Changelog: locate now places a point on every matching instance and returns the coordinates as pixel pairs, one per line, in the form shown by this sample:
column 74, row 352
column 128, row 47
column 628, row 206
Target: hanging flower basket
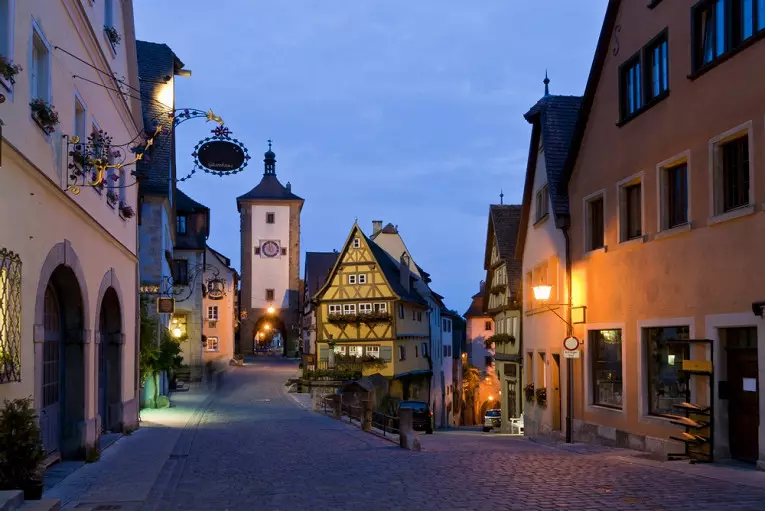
column 112, row 197
column 541, row 395
column 45, row 115
column 8, row 69
column 112, row 35
column 126, row 210
column 528, row 391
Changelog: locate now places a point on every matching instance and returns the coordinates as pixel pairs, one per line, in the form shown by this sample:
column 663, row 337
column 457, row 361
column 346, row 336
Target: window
column 39, row 73
column 487, row 325
column 542, row 371
column 335, row 309
column 424, row 349
column 735, row 173
column 606, row 364
column 401, row 311
column 109, row 13
column 630, row 210
column 667, row 385
column 446, row 351
column 180, row 272
column 632, row 94
column 340, row 350
column 541, row 203
column 419, row 316
column 595, row 224
column 269, row 295
column 365, row 308
column 6, row 28
column 362, row 278
column 80, row 120
column 284, row 251
column 416, row 351
column 381, row 307
column 356, row 243
column 373, row 351
column 402, row 352
column 529, row 368
column 211, row 344
column 721, row 26
column 674, row 185
column 212, row 313
column 270, row 218
column 10, row 316
column 355, row 351
column 180, row 224
column 657, row 60
column 349, row 308
column 352, row 278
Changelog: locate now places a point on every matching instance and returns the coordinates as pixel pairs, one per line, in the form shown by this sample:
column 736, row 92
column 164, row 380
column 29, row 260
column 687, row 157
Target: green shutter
column 323, row 353
column 386, row 353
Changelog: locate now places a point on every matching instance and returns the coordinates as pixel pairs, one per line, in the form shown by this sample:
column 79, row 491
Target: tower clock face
column 270, row 248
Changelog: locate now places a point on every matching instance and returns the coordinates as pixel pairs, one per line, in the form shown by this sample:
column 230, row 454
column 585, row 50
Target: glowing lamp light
column 542, row 292
column 267, row 326
column 671, row 359
column 270, row 309
column 177, row 332
column 491, row 398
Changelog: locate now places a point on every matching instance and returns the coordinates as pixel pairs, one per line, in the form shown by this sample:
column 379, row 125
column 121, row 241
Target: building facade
column 369, row 307
column 502, row 302
column 68, row 264
column 542, row 249
column 270, row 243
column 480, row 354
column 219, row 321
column 666, row 235
column 318, row 266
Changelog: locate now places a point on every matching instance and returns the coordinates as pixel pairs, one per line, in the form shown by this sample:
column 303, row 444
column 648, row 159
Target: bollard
column 366, row 414
column 406, row 435
column 337, row 411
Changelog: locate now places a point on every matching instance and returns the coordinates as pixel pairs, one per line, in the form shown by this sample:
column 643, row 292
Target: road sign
column 571, row 353
column 570, row 347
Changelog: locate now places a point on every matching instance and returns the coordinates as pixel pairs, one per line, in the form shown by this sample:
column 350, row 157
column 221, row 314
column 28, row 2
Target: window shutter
column 552, row 279
column 323, row 353
column 386, row 353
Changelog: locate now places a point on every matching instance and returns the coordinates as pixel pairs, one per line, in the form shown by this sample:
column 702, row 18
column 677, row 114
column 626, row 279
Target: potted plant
column 126, row 210
column 112, row 197
column 8, row 69
column 528, row 391
column 541, row 395
column 112, row 35
column 45, row 115
column 21, row 451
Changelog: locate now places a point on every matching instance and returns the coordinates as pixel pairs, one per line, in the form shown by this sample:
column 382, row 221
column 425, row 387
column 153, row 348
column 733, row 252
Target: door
column 555, row 400
column 50, row 415
column 744, row 390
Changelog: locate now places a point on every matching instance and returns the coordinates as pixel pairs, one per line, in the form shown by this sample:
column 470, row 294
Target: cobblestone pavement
column 256, row 448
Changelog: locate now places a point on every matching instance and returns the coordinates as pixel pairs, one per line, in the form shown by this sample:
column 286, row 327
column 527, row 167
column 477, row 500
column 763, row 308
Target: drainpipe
column 569, row 330
column 137, row 344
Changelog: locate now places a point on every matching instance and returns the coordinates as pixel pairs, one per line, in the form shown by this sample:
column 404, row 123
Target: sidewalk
column 128, row 469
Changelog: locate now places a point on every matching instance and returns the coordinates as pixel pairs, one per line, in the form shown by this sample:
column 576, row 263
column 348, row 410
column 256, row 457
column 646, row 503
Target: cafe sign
column 221, row 154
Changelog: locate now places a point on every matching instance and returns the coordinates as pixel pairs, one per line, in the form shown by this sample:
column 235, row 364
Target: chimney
column 403, row 267
column 376, row 226
column 483, row 286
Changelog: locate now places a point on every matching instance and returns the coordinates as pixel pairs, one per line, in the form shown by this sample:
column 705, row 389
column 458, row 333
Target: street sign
column 570, row 347
column 165, row 305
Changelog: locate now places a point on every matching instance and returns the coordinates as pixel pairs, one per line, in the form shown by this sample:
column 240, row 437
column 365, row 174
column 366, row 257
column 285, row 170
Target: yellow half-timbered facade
column 368, row 308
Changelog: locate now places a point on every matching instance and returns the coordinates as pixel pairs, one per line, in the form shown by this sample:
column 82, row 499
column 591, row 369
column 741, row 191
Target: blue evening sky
column 406, row 111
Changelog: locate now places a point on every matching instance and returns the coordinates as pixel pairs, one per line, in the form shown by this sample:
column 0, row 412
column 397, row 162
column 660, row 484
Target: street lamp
column 267, row 326
column 542, row 294
column 177, row 332
column 270, row 309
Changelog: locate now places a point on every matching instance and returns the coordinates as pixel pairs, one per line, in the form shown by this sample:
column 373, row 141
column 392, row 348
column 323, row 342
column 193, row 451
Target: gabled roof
column 599, row 59
column 269, row 188
column 223, row 260
column 156, row 63
column 503, row 229
column 185, row 204
column 553, row 119
column 388, row 267
column 476, row 307
column 318, row 266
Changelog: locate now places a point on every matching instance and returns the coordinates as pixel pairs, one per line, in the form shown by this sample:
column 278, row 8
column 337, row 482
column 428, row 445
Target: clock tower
column 270, row 237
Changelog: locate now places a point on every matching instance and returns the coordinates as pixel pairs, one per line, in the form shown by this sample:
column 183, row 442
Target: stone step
column 41, row 505
column 11, row 500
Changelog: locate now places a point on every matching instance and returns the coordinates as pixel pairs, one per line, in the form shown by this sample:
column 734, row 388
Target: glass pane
column 606, row 348
column 638, row 89
column 760, row 14
column 655, row 72
column 667, row 385
column 720, row 34
column 747, row 18
column 707, row 36
column 664, row 66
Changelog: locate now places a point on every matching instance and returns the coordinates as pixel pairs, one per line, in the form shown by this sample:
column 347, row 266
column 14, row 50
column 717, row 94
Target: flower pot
column 33, row 489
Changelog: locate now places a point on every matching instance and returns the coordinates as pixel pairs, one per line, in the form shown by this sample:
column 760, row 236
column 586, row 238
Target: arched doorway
column 110, row 362
column 485, row 407
column 268, row 334
column 63, row 365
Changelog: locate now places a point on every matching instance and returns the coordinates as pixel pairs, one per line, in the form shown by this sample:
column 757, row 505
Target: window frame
column 11, row 12
column 272, row 293
column 380, row 307
column 487, row 325
column 542, row 204
column 363, row 309
column 401, row 352
column 180, row 263
column 716, row 212
column 361, row 278
column 401, row 311
column 646, row 376
column 647, row 100
column 658, row 40
column 351, row 279
column 216, row 345
column 663, row 224
column 622, row 215
column 349, row 309
column 372, row 351
column 338, row 308
column 590, row 404
column 356, row 243
column 181, row 220
column 37, row 31
column 270, row 217
column 628, row 64
column 213, row 313
column 587, row 227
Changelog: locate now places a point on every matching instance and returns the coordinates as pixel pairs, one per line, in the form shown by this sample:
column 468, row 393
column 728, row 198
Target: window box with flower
column 541, row 395
column 112, row 36
column 45, row 115
column 8, row 70
column 126, row 211
column 528, row 391
column 112, row 198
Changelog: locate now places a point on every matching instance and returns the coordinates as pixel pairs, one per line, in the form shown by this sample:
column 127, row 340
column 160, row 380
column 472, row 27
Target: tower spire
column 501, row 197
column 546, row 81
column 270, row 161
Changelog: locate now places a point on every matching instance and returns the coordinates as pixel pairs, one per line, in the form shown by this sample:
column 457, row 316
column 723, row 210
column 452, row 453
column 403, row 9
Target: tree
column 471, row 380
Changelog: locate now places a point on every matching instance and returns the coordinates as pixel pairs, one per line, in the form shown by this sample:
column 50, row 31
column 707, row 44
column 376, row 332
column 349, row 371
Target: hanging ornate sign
column 220, row 154
column 165, row 305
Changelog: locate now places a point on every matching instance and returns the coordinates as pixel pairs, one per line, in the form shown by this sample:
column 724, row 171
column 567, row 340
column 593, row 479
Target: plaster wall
column 270, row 272
column 223, row 328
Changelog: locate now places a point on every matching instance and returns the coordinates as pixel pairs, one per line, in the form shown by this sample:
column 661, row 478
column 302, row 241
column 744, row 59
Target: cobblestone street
column 253, row 447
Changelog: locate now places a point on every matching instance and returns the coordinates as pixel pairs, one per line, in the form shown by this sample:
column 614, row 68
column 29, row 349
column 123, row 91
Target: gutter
column 569, row 330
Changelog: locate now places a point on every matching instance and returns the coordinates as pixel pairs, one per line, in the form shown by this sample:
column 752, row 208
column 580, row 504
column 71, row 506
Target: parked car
column 422, row 416
column 492, row 419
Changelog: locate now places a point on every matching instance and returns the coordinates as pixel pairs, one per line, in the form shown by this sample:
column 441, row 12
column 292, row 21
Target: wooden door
column 743, row 385
column 555, row 401
column 50, row 415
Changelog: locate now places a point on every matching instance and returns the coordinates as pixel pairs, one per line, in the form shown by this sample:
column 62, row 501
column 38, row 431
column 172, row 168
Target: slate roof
column 556, row 116
column 505, row 221
column 224, row 260
column 156, row 62
column 391, row 270
column 318, row 266
column 185, row 204
column 476, row 307
column 269, row 188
